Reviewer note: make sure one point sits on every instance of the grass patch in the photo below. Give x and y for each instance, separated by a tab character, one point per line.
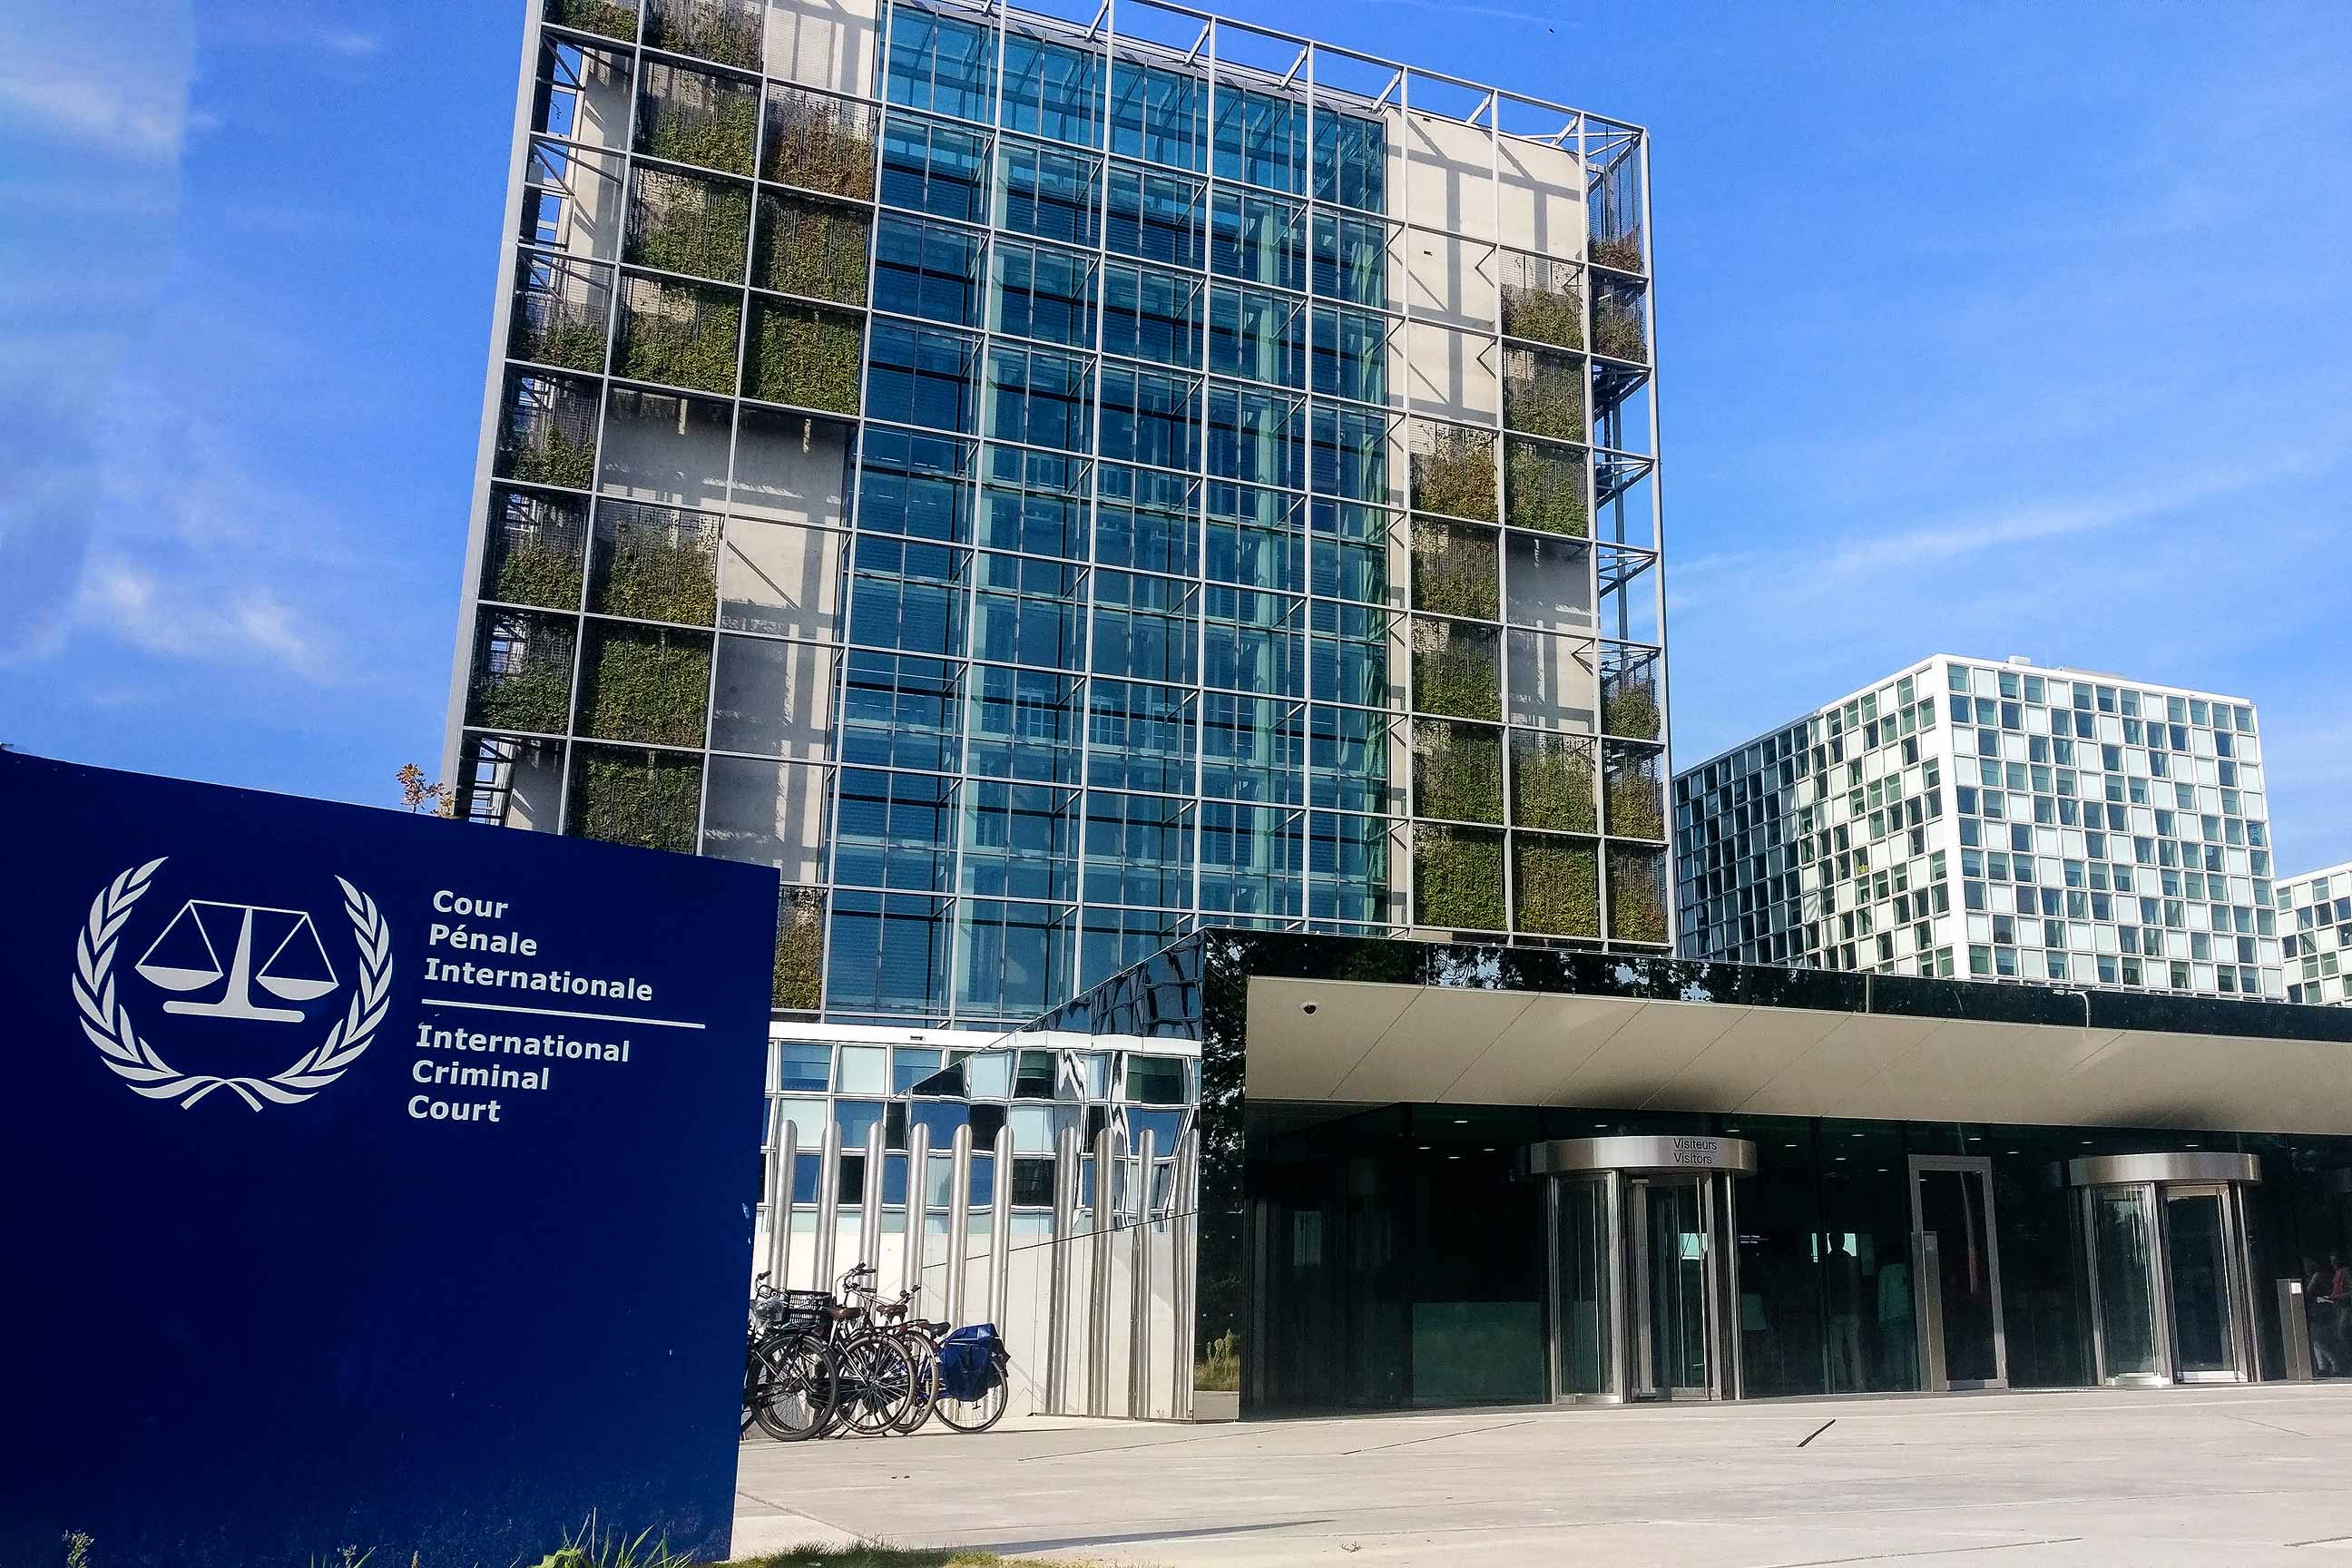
896	1557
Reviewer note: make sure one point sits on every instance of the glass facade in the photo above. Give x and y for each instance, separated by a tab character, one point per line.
1047	491
1992	821
2315	922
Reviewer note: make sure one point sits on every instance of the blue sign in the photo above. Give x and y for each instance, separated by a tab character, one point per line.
365	1179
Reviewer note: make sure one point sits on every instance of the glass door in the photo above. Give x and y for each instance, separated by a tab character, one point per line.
1951	1198
2122	1226
1584	1287
2204	1283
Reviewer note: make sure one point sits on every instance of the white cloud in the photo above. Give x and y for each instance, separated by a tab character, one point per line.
198	617
348	44
110	80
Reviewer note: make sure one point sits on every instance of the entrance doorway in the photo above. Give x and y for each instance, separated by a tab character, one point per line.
1951	1200
1644	1266
2167	1266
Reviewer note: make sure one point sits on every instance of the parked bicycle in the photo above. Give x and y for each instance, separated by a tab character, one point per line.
818	1363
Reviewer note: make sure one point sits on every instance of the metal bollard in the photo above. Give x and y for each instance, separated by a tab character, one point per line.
2295	1332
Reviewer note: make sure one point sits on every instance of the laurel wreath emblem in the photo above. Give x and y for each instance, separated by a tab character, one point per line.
108	1023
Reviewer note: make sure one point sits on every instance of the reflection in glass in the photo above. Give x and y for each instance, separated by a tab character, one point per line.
2127	1271
1953	1204
1581	1284
2200	1283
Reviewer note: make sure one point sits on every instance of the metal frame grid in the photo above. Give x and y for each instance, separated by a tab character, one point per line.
1622	539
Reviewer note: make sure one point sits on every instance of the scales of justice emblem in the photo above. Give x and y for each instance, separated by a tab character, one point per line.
247	956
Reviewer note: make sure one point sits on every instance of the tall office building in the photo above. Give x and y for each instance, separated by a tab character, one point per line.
1971	818
1049	486
2315	919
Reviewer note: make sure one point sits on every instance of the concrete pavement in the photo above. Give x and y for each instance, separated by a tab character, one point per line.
2215	1477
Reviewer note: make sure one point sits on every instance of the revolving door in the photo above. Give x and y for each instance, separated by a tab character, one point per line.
1643	1265
2166	1264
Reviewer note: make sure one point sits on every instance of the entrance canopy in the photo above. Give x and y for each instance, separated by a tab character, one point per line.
1718	1041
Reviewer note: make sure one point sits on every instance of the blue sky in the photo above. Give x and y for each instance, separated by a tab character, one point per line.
1985	330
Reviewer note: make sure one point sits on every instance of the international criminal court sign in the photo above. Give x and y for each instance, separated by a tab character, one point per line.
365	1179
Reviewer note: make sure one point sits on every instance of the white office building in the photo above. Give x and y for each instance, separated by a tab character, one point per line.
1968	818
2314	921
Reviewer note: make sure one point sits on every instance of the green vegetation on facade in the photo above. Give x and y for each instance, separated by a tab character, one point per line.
798	983
655	569
720	33
1628	706
646	798
1637	899
1552	782
563	335
682	224
599	17
1456	670
814	142
814	248
806	357
1219	1368
642	683
1458	874
1543	395
1457	770
716	136
540	567
1622	251
1556	883
1456	474
547	456
533	691
1455	570
1617	332
1635	801
680	335
1544	315
1543	488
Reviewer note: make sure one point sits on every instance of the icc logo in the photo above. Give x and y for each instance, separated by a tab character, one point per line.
237	962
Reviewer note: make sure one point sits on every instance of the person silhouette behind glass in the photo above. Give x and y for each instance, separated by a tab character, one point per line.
1842	1285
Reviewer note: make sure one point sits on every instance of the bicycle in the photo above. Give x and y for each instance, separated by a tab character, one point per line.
974	1379
874	1375
790	1387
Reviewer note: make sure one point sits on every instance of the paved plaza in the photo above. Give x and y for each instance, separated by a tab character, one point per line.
2215	1477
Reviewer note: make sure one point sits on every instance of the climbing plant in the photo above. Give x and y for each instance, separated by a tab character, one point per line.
1551	783
810	247
1555	884
1543	395
706	29
805	357
546	456
700	120
1455	670
1456	474
522	676
1628	704
1454	570
642	683
679	223
1617	332
1622	251
1545	315
1637	898
1457	770
599	17
798	983
1543	488
1457	875
818	143
654	565
1630	787
539	567
646	798
680	335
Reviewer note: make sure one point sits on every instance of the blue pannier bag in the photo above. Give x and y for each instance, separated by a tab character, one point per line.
971	1362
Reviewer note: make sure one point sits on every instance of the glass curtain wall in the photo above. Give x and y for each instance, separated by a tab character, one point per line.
1045	489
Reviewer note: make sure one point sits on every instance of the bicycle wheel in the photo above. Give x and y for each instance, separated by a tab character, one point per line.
924	1356
976	1414
799	1388
877	1383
